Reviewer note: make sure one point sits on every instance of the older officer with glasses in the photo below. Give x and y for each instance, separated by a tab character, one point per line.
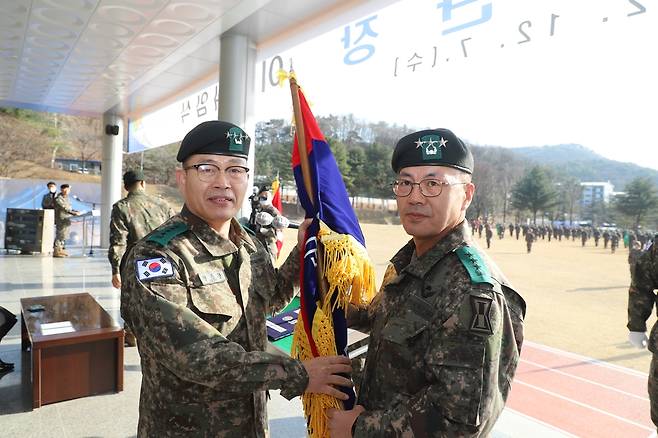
196	291
446	326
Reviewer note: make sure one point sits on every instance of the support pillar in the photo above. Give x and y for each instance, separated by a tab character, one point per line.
111	171
237	85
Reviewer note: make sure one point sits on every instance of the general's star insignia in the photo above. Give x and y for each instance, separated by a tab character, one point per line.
443	143
419	143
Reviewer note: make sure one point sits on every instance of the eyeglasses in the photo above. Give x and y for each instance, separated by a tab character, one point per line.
429	188
208	172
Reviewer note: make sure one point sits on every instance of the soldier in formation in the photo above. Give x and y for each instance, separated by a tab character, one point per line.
529	239
488	235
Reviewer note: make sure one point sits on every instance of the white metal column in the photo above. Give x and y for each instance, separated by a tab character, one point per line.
110	173
236	93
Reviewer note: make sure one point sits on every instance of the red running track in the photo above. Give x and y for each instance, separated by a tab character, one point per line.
581	396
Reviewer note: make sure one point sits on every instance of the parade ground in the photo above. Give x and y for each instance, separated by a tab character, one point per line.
578	375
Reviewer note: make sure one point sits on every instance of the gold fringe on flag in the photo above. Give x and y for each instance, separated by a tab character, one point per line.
350	275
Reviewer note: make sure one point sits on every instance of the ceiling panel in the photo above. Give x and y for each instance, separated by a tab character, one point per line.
92	56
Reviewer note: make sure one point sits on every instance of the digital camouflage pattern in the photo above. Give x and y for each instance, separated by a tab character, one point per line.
63	213
444	344
641	302
267	235
133	217
201	333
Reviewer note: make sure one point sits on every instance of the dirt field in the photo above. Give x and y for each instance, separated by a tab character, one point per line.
576	297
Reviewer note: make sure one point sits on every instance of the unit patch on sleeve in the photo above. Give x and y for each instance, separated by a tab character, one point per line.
148	269
481	308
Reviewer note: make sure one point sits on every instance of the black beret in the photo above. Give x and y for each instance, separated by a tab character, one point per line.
214	137
64	186
132	176
432	147
51	182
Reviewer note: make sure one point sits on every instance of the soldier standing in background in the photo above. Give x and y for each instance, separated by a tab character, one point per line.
48	200
511	229
614	241
517	230
488	232
583	237
63	213
438	362
606	239
641	302
529	238
597	236
133	217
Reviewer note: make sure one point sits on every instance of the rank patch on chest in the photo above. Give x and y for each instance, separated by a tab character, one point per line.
481	308
148	269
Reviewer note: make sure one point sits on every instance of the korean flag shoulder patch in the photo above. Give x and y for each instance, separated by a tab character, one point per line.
149	269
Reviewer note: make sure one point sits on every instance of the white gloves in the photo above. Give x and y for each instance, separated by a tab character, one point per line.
263	218
638	339
280	222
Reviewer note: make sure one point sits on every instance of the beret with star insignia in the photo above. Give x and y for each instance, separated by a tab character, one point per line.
214	137
432	147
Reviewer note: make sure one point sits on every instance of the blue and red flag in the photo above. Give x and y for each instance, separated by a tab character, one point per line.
334	253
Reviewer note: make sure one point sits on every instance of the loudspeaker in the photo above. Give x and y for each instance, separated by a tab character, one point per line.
112	129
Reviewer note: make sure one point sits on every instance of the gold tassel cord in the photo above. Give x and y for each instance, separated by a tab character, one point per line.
316	405
347	268
351	279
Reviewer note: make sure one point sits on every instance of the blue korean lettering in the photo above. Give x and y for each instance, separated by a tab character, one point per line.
447	7
363	52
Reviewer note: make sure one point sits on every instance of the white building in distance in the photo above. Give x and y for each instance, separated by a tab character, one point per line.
596	192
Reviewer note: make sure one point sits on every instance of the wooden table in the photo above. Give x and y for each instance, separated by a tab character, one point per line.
76	348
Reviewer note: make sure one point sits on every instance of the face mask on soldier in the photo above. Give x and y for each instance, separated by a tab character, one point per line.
53	189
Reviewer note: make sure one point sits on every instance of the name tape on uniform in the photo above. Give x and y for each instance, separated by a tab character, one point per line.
148	269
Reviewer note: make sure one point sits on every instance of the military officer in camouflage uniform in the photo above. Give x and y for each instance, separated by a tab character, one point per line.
196	291
641	302
63	213
133	217
447	326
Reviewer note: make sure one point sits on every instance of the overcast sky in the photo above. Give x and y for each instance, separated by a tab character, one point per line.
593	82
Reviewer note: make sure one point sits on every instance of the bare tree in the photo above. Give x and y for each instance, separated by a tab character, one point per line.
19	142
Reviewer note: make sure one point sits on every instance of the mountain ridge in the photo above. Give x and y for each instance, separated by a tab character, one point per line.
571	159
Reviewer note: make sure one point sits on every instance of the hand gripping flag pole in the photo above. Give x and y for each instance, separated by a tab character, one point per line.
335	267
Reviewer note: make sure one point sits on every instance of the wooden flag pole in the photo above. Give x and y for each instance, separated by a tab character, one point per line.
306	175
301	140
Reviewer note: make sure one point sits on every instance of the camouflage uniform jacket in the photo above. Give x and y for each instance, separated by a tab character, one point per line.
133	217
201	330
641	296
63	209
267	234
447	330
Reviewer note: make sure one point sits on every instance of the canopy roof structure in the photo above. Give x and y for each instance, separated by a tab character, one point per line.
128	57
